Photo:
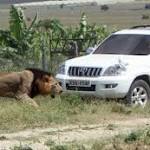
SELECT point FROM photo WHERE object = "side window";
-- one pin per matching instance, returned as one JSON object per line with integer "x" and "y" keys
{"x": 148, "y": 43}
{"x": 143, "y": 48}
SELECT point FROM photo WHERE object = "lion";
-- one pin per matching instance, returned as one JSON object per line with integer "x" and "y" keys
{"x": 27, "y": 84}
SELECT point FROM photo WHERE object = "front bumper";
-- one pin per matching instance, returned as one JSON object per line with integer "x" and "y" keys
{"x": 105, "y": 87}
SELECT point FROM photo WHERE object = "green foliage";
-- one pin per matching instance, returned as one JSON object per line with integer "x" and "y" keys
{"x": 141, "y": 135}
{"x": 17, "y": 22}
{"x": 19, "y": 36}
{"x": 132, "y": 137}
{"x": 43, "y": 40}
{"x": 21, "y": 147}
{"x": 6, "y": 40}
{"x": 8, "y": 52}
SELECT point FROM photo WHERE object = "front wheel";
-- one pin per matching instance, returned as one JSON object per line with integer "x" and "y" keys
{"x": 139, "y": 93}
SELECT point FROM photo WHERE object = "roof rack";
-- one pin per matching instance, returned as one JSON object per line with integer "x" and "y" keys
{"x": 140, "y": 26}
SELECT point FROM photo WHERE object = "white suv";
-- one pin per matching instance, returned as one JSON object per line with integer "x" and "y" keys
{"x": 118, "y": 68}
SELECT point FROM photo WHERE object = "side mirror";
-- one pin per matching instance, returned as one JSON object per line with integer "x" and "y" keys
{"x": 90, "y": 50}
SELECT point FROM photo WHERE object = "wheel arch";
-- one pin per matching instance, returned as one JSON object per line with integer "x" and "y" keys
{"x": 144, "y": 77}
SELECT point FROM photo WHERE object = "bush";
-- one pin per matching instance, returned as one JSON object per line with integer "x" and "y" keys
{"x": 144, "y": 16}
{"x": 104, "y": 7}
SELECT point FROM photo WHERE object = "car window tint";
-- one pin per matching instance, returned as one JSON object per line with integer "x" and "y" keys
{"x": 125, "y": 44}
{"x": 143, "y": 48}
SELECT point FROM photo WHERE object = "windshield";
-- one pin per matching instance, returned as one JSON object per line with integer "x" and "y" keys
{"x": 126, "y": 44}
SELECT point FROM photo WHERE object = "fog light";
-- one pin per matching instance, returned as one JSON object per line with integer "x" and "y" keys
{"x": 110, "y": 86}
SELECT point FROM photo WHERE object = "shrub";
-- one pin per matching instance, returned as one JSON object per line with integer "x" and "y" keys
{"x": 144, "y": 16}
{"x": 104, "y": 7}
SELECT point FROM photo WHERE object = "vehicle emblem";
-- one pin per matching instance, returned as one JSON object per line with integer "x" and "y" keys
{"x": 83, "y": 71}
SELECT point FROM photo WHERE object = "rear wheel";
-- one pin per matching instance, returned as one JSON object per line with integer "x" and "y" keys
{"x": 139, "y": 93}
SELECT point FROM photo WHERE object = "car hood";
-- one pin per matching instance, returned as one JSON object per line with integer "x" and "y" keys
{"x": 105, "y": 60}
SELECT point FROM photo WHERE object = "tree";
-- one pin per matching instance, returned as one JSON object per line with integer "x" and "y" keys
{"x": 51, "y": 31}
{"x": 19, "y": 36}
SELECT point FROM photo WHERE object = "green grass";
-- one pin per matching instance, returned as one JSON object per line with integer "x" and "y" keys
{"x": 21, "y": 147}
{"x": 69, "y": 109}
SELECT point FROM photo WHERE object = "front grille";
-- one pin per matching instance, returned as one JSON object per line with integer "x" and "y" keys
{"x": 84, "y": 71}
{"x": 81, "y": 88}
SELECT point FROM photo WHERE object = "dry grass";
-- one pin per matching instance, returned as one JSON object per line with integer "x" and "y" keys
{"x": 67, "y": 110}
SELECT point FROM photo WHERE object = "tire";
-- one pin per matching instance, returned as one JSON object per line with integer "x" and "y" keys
{"x": 138, "y": 94}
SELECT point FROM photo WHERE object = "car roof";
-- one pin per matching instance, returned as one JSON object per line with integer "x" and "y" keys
{"x": 134, "y": 31}
{"x": 141, "y": 29}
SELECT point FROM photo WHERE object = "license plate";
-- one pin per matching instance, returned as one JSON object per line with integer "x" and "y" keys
{"x": 84, "y": 83}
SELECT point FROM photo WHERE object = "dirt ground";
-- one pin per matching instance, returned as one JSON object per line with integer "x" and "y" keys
{"x": 36, "y": 138}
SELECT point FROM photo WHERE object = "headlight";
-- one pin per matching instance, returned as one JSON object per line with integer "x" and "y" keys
{"x": 61, "y": 69}
{"x": 114, "y": 70}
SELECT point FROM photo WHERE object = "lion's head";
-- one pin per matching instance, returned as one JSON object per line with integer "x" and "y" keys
{"x": 48, "y": 85}
{"x": 44, "y": 83}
